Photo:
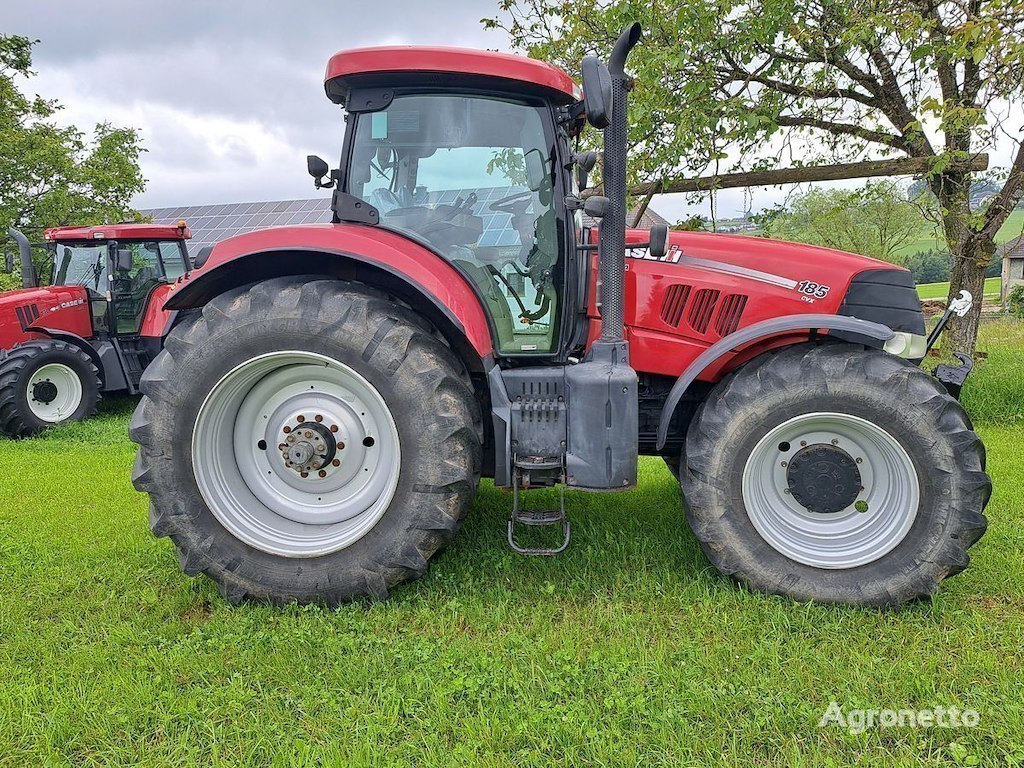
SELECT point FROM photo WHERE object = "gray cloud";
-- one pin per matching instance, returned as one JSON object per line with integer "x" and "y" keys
{"x": 228, "y": 95}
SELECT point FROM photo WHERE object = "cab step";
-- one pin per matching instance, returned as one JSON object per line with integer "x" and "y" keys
{"x": 538, "y": 518}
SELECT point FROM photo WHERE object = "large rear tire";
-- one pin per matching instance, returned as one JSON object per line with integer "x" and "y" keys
{"x": 43, "y": 383}
{"x": 836, "y": 474}
{"x": 307, "y": 440}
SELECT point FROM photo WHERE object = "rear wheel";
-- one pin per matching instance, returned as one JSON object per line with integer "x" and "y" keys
{"x": 43, "y": 383}
{"x": 836, "y": 474}
{"x": 307, "y": 441}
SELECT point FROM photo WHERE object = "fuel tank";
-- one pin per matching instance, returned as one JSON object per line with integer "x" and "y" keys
{"x": 710, "y": 285}
{"x": 57, "y": 307}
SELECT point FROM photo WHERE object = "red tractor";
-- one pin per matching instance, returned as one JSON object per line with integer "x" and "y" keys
{"x": 91, "y": 324}
{"x": 330, "y": 395}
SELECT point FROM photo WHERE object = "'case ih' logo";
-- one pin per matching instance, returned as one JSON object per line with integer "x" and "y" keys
{"x": 27, "y": 315}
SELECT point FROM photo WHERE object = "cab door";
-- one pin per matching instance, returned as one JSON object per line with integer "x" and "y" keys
{"x": 152, "y": 263}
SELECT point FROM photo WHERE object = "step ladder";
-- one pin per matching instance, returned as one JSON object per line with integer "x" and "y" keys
{"x": 548, "y": 468}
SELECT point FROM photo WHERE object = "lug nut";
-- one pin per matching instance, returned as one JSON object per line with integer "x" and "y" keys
{"x": 336, "y": 463}
{"x": 322, "y": 473}
{"x": 304, "y": 474}
{"x": 319, "y": 418}
{"x": 286, "y": 430}
{"x": 835, "y": 441}
{"x": 301, "y": 419}
{"x": 341, "y": 445}
{"x": 334, "y": 427}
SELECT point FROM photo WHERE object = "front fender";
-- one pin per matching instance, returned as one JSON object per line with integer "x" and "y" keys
{"x": 346, "y": 251}
{"x": 757, "y": 332}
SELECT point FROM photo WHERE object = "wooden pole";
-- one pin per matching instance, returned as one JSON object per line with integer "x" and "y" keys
{"x": 906, "y": 166}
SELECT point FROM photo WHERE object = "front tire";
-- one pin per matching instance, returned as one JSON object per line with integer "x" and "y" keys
{"x": 836, "y": 474}
{"x": 43, "y": 383}
{"x": 307, "y": 441}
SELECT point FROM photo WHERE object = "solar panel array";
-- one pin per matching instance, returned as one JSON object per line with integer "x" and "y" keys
{"x": 210, "y": 224}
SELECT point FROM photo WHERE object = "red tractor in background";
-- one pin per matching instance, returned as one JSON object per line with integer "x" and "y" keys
{"x": 91, "y": 325}
{"x": 330, "y": 395}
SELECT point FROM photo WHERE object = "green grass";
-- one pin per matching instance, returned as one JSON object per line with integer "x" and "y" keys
{"x": 941, "y": 290}
{"x": 626, "y": 650}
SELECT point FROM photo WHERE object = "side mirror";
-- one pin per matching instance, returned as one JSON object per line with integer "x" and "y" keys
{"x": 317, "y": 168}
{"x": 124, "y": 260}
{"x": 596, "y": 206}
{"x": 659, "y": 241}
{"x": 536, "y": 169}
{"x": 597, "y": 92}
{"x": 585, "y": 162}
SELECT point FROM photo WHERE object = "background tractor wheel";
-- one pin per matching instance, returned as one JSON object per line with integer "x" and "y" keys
{"x": 43, "y": 383}
{"x": 307, "y": 441}
{"x": 836, "y": 474}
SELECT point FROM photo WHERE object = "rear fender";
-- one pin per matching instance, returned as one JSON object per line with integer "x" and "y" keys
{"x": 382, "y": 259}
{"x": 759, "y": 332}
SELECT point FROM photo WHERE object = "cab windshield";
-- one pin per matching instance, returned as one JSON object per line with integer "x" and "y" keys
{"x": 81, "y": 265}
{"x": 472, "y": 177}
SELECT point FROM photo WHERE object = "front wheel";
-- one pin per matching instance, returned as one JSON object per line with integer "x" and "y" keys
{"x": 836, "y": 474}
{"x": 306, "y": 441}
{"x": 43, "y": 383}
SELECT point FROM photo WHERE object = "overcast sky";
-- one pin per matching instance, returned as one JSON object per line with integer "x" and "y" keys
{"x": 228, "y": 96}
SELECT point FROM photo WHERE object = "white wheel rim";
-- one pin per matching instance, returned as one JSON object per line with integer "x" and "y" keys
{"x": 846, "y": 538}
{"x": 266, "y": 501}
{"x": 54, "y": 393}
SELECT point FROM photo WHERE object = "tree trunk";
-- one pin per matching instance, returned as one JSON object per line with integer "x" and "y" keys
{"x": 967, "y": 273}
{"x": 969, "y": 255}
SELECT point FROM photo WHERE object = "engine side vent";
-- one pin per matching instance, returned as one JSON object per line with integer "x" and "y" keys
{"x": 674, "y": 303}
{"x": 730, "y": 310}
{"x": 702, "y": 308}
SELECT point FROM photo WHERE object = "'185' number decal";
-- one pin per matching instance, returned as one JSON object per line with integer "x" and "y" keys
{"x": 817, "y": 290}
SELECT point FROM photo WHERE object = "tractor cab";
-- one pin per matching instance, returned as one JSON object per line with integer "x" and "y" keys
{"x": 120, "y": 266}
{"x": 465, "y": 152}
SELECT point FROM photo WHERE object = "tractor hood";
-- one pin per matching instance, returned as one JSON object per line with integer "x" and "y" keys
{"x": 709, "y": 285}
{"x": 64, "y": 308}
{"x": 774, "y": 262}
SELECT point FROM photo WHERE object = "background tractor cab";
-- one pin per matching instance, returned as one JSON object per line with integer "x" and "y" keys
{"x": 87, "y": 320}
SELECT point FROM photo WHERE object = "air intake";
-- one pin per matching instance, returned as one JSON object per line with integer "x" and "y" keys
{"x": 702, "y": 308}
{"x": 730, "y": 310}
{"x": 674, "y": 303}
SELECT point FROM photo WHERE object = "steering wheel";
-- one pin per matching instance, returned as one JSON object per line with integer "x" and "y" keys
{"x": 505, "y": 204}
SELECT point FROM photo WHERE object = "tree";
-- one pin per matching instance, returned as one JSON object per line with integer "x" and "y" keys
{"x": 876, "y": 220}
{"x": 741, "y": 84}
{"x": 49, "y": 174}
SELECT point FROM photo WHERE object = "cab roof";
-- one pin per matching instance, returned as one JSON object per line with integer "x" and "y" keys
{"x": 397, "y": 65}
{"x": 117, "y": 232}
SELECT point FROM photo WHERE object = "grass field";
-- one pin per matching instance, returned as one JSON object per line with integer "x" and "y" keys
{"x": 941, "y": 290}
{"x": 626, "y": 650}
{"x": 1012, "y": 227}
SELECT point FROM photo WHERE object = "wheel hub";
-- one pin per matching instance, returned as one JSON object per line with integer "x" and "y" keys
{"x": 823, "y": 479}
{"x": 44, "y": 392}
{"x": 309, "y": 445}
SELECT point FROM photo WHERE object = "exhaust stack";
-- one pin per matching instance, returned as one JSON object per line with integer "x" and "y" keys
{"x": 603, "y": 419}
{"x": 28, "y": 269}
{"x": 613, "y": 225}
